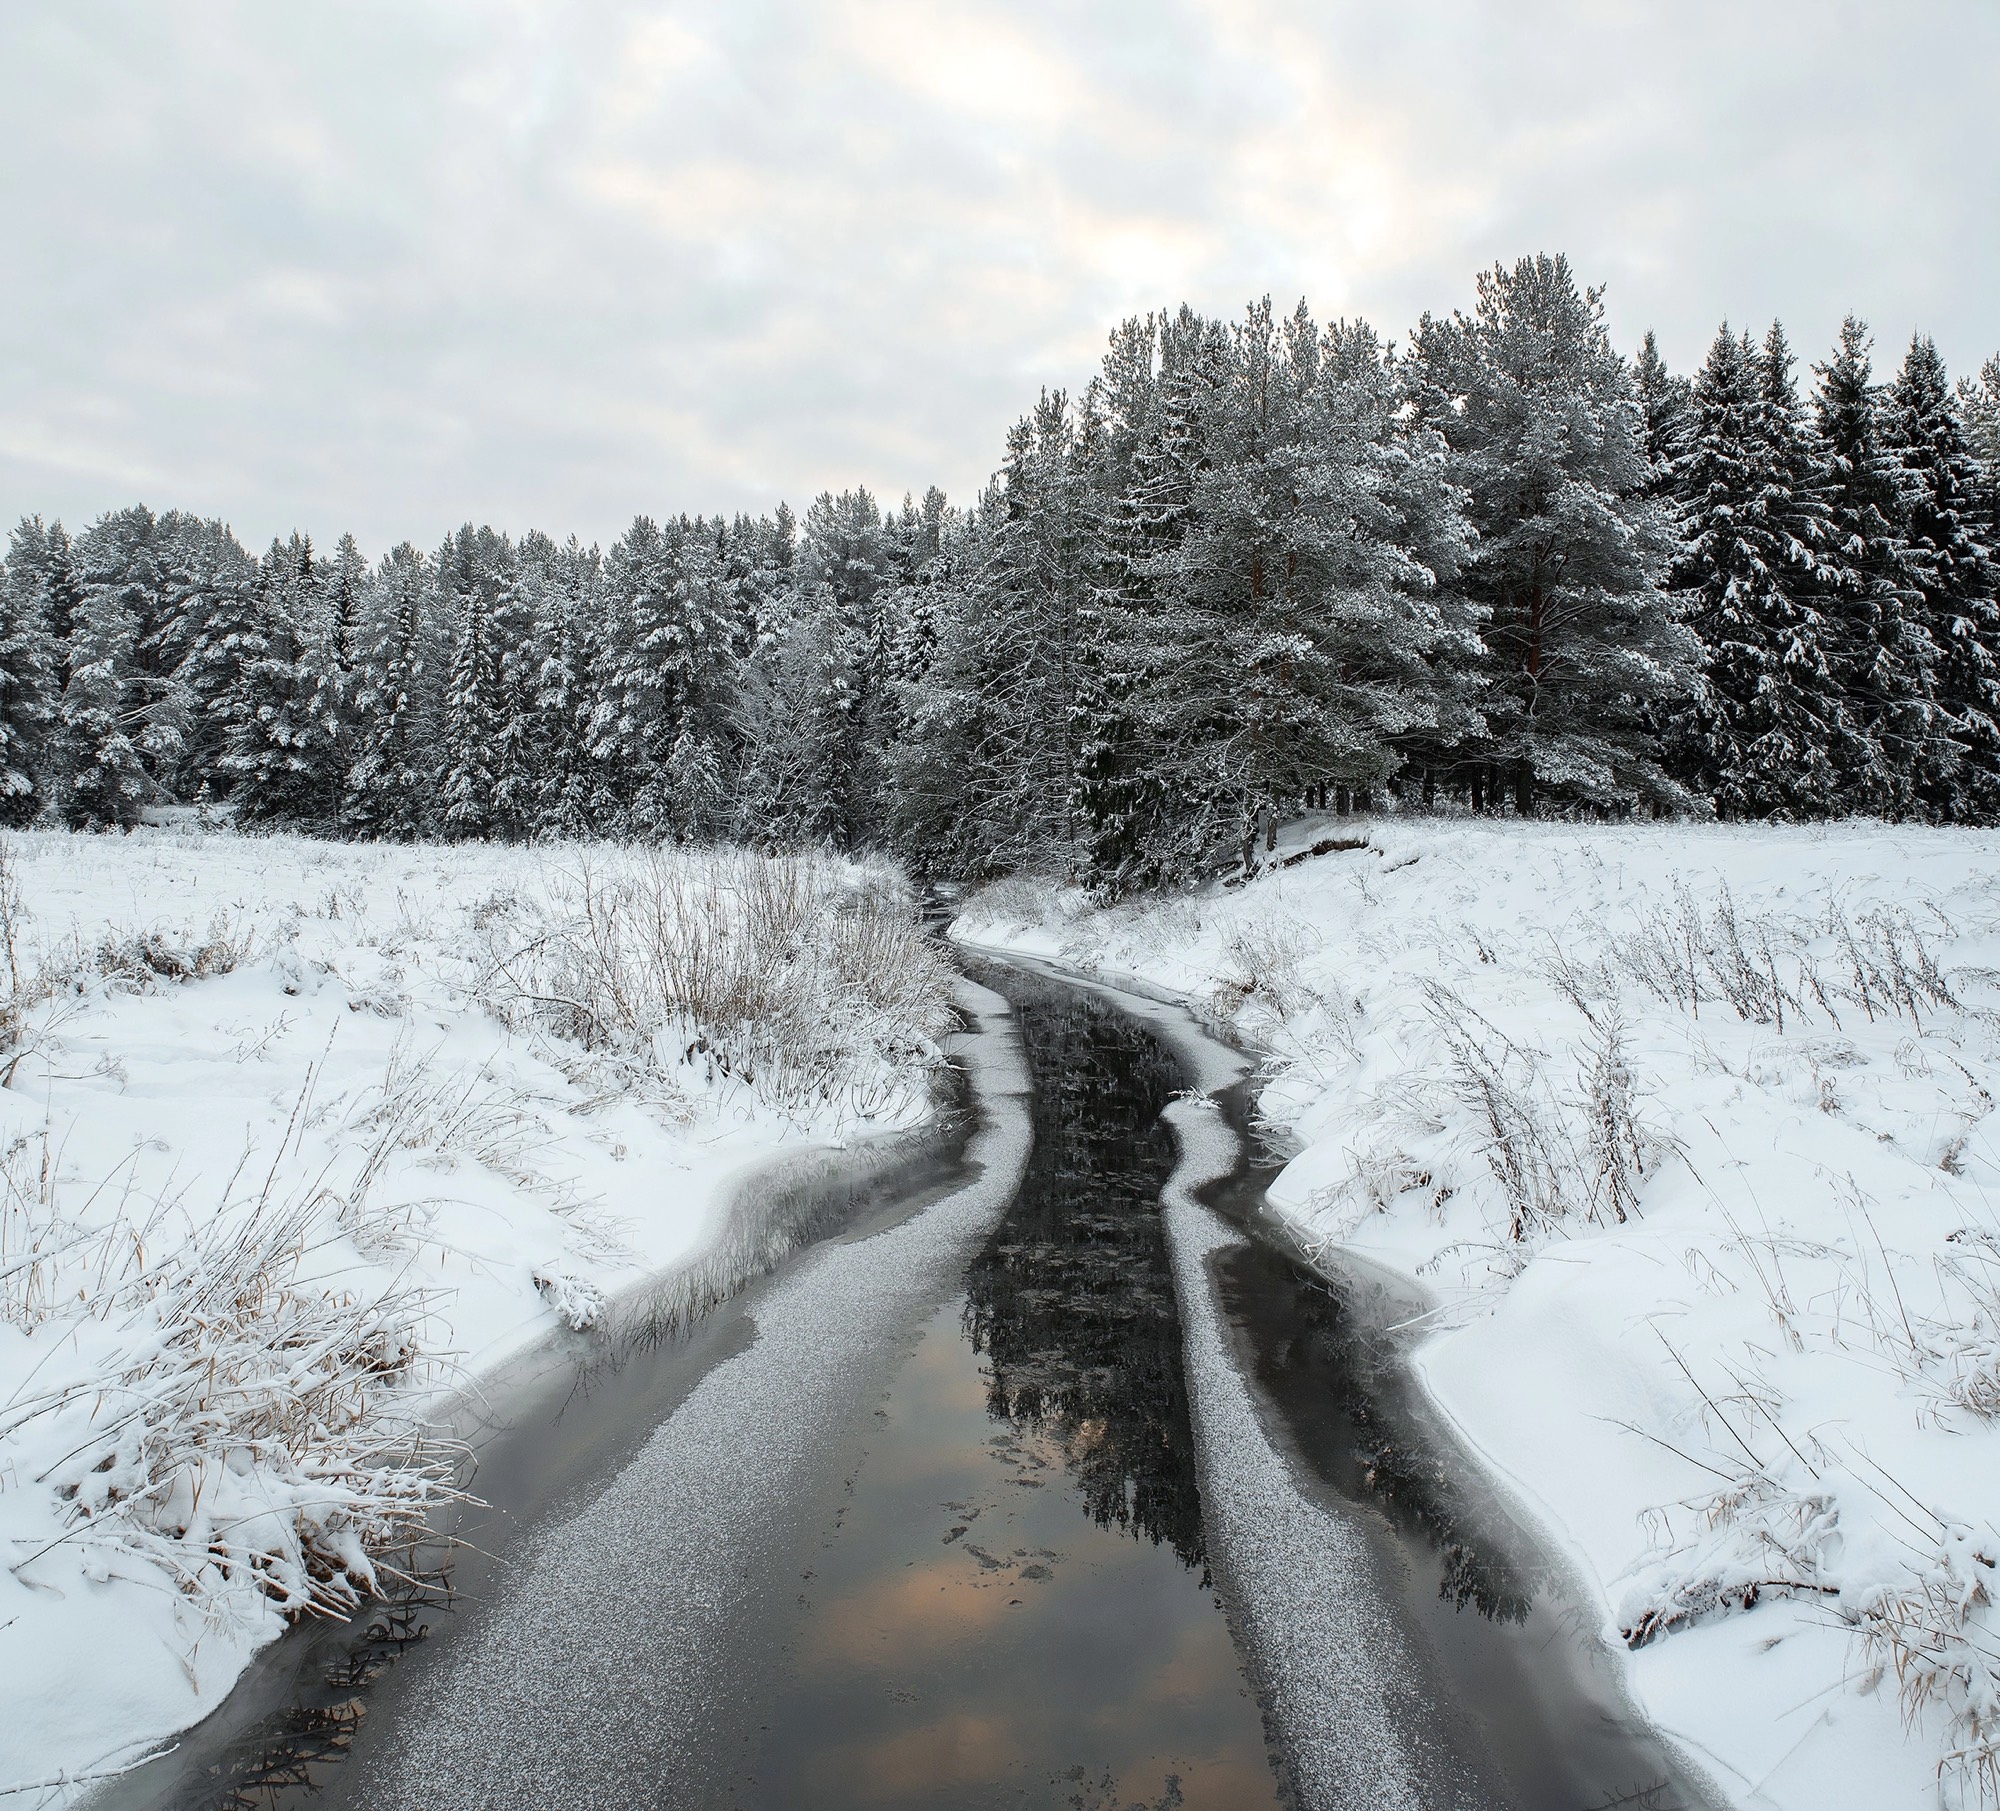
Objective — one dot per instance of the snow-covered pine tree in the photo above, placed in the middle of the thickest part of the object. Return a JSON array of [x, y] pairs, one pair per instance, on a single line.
[[28, 693], [104, 784], [846, 558], [1883, 655], [344, 583], [209, 619], [1550, 443], [1979, 407], [1667, 400], [516, 757], [558, 593], [793, 717], [130, 551], [1310, 630], [392, 783], [697, 651], [469, 576], [1158, 391], [1383, 538], [661, 727], [1040, 586], [1954, 571], [1769, 734], [283, 754]]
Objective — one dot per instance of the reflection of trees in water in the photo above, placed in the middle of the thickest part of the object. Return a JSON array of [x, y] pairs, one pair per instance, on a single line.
[[286, 1759], [1072, 1301], [1324, 1342]]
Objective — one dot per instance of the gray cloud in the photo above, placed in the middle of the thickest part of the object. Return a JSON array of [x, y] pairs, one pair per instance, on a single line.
[[391, 265]]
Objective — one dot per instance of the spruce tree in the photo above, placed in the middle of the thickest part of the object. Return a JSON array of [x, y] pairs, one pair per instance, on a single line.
[[284, 755], [472, 582], [27, 676], [105, 784], [129, 552], [1667, 401], [1760, 738], [392, 784], [1952, 565], [211, 620], [1884, 657], [1979, 407]]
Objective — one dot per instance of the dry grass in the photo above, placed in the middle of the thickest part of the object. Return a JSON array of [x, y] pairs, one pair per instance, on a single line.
[[214, 1398], [802, 979]]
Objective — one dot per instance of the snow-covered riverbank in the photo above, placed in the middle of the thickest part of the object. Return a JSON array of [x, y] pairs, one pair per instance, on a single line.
[[1688, 1129], [294, 1135]]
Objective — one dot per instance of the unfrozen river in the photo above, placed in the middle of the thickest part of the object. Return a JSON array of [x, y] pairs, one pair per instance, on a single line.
[[1010, 1488]]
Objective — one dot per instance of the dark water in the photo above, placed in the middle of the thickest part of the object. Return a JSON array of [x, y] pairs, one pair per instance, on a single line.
[[1517, 1658], [1012, 1605]]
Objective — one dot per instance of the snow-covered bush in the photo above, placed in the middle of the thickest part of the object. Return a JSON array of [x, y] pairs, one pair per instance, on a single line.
[[209, 1398], [806, 979]]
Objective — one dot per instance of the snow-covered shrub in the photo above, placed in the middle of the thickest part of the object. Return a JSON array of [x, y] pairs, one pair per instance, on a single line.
[[1023, 902], [1556, 1155], [578, 1303], [1265, 968], [1937, 1630], [210, 1402], [1758, 1538], [139, 959], [802, 978], [1771, 966]]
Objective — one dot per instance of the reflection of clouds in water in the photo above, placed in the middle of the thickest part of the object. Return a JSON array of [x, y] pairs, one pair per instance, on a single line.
[[907, 1617], [959, 1748]]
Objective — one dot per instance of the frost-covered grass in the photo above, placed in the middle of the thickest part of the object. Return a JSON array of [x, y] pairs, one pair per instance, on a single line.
[[1690, 1131], [295, 1135]]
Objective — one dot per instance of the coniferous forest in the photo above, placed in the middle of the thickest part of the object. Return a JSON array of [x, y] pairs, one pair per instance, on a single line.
[[1254, 567]]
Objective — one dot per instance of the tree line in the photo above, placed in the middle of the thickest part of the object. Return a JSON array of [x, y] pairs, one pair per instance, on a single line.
[[1254, 567]]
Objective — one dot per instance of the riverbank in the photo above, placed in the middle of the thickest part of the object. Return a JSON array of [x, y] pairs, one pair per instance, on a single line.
[[298, 1136], [1687, 1130]]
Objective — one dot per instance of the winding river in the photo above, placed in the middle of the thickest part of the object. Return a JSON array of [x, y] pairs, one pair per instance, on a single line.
[[1024, 1466]]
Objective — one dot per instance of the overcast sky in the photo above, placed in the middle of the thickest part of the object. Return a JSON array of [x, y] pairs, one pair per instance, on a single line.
[[391, 264]]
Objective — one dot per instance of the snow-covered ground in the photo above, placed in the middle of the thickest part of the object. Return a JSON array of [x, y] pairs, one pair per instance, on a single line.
[[293, 1136], [1688, 1130]]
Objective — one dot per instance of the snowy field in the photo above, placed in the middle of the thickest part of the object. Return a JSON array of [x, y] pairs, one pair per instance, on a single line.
[[1689, 1132], [295, 1136]]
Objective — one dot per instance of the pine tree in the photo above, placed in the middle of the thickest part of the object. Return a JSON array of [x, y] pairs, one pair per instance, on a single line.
[[1953, 568], [1549, 442], [392, 784], [1979, 407], [105, 781], [1667, 401], [1883, 656], [284, 753], [122, 553], [472, 579], [664, 680], [559, 596], [210, 620], [846, 560], [27, 676], [1761, 738]]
